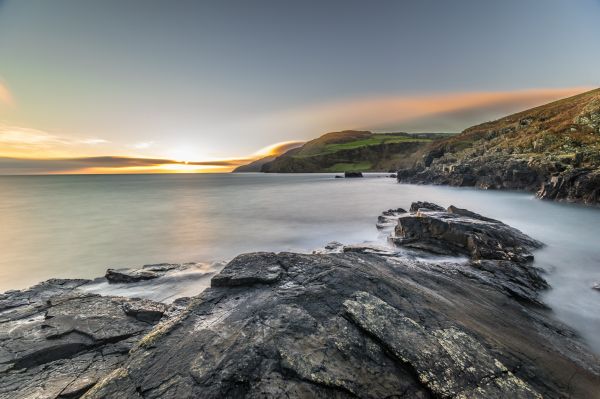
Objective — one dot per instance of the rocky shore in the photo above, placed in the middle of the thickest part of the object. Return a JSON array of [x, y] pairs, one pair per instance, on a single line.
[[549, 180], [552, 151], [451, 309]]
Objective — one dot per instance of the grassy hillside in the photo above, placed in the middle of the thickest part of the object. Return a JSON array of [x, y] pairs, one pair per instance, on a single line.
[[561, 127], [354, 151]]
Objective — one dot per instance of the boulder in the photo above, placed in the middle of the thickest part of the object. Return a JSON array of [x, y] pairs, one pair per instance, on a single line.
[[462, 232]]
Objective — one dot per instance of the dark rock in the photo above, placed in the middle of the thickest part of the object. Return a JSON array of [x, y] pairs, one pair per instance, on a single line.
[[129, 275], [248, 270], [27, 300], [460, 231], [431, 155], [147, 272], [353, 174], [596, 286], [356, 325], [479, 373], [389, 218], [145, 310], [56, 341], [522, 282], [393, 212], [573, 185], [370, 249], [415, 206], [339, 177], [469, 214], [331, 248]]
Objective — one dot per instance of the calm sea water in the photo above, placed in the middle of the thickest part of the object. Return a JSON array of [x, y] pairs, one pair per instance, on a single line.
[[78, 226]]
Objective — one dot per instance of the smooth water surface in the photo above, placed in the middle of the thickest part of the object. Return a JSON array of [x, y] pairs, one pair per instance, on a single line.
[[78, 226]]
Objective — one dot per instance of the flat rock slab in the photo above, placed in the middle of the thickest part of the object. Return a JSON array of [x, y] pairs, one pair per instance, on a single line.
[[147, 272]]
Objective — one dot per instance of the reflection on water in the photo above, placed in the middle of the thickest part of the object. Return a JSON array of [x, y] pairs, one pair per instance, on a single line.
[[78, 226]]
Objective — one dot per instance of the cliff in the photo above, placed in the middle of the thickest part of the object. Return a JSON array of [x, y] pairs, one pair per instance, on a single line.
[[552, 150]]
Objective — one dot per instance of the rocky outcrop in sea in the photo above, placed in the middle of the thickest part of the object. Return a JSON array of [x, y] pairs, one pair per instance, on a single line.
[[451, 310]]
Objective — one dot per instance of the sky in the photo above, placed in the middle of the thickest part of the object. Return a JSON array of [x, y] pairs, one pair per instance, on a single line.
[[118, 86]]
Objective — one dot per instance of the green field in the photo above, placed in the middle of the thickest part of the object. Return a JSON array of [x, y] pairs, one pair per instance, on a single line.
[[376, 139]]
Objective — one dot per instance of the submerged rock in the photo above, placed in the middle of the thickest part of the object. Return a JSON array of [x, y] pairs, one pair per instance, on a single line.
[[353, 174]]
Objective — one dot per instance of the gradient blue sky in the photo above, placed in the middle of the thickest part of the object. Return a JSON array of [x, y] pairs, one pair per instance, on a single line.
[[210, 79]]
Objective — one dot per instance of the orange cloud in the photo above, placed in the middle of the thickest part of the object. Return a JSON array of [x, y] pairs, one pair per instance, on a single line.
[[18, 141], [113, 164], [277, 148], [5, 95], [397, 112]]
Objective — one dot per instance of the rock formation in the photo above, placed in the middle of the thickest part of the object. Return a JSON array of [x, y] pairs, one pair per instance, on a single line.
[[344, 322], [57, 342]]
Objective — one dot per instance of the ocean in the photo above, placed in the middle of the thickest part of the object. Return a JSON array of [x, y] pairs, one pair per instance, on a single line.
[[78, 226]]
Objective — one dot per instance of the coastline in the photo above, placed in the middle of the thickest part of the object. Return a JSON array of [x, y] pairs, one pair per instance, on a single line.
[[363, 307]]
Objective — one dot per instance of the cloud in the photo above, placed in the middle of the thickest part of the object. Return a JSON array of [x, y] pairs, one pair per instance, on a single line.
[[108, 164], [278, 148], [94, 141], [5, 95], [24, 142], [143, 145], [447, 111]]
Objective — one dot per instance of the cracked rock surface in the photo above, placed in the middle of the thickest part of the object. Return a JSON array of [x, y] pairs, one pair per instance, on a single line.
[[57, 342]]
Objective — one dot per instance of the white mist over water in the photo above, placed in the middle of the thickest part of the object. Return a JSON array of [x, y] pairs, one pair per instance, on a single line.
[[78, 226]]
